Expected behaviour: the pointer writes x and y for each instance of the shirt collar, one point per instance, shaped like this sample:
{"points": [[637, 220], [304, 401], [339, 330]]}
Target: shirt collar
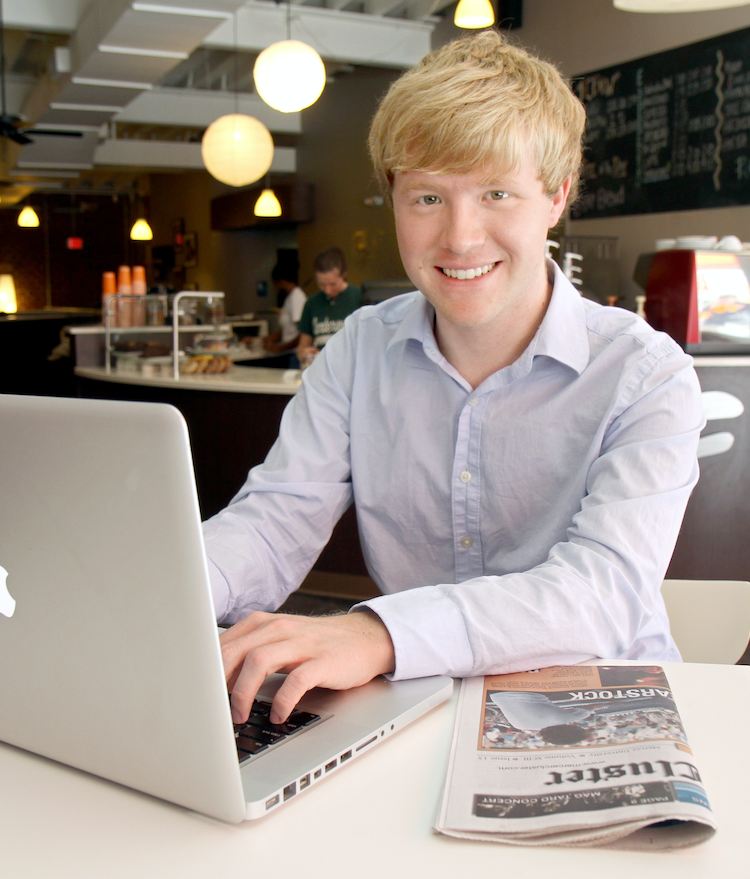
{"points": [[417, 324], [562, 333], [330, 300]]}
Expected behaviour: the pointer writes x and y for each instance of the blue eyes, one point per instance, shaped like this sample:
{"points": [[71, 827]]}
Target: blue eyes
{"points": [[492, 195]]}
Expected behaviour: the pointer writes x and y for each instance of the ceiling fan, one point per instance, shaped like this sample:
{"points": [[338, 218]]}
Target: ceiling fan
{"points": [[9, 126]]}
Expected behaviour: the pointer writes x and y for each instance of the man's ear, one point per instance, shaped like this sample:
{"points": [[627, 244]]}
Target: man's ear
{"points": [[559, 200]]}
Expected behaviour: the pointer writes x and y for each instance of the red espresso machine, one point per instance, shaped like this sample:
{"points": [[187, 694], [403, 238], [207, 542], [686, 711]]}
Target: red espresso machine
{"points": [[699, 297]]}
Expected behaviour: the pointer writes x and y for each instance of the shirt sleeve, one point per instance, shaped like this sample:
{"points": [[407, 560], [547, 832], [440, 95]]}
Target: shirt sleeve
{"points": [[263, 544], [297, 305], [598, 592]]}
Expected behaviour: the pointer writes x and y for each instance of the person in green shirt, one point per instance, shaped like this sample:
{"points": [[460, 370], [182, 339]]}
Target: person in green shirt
{"points": [[325, 311]]}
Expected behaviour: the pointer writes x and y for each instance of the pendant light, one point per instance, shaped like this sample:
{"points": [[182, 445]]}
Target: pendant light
{"points": [[474, 14], [676, 5], [28, 218], [141, 231], [267, 204], [8, 302], [237, 149], [289, 75]]}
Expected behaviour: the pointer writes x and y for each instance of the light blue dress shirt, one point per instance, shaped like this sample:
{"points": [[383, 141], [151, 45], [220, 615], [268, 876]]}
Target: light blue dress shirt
{"points": [[525, 523]]}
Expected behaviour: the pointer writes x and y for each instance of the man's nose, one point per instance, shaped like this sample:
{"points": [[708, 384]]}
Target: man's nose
{"points": [[464, 229]]}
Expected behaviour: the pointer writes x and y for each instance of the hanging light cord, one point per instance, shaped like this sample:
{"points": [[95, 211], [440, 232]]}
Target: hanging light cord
{"points": [[289, 19], [236, 74]]}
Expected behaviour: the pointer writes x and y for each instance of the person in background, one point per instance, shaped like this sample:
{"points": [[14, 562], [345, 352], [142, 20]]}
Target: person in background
{"points": [[520, 457], [325, 311], [284, 279]]}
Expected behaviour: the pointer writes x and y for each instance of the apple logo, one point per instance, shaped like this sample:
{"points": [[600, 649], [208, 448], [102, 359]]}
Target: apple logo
{"points": [[7, 602]]}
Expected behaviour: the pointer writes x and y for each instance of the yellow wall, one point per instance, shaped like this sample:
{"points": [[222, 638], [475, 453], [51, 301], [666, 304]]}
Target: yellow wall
{"points": [[332, 155]]}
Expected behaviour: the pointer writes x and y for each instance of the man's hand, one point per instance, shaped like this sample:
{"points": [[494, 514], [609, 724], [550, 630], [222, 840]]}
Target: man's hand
{"points": [[338, 652]]}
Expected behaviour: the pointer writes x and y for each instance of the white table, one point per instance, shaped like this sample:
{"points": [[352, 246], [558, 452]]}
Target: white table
{"points": [[371, 819]]}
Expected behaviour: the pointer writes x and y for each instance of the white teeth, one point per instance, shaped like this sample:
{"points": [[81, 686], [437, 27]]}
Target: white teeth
{"points": [[468, 274]]}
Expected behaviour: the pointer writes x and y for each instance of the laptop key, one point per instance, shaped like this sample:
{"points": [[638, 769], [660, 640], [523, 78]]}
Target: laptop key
{"points": [[303, 718], [267, 736], [252, 746], [288, 728]]}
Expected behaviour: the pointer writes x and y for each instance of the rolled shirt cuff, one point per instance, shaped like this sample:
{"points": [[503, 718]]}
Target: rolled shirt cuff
{"points": [[219, 591], [428, 633]]}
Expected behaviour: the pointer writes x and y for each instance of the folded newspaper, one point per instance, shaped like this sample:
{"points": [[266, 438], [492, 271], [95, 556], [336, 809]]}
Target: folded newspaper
{"points": [[574, 755]]}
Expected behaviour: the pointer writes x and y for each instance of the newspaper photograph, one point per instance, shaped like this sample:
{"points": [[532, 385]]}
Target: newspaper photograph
{"points": [[574, 755]]}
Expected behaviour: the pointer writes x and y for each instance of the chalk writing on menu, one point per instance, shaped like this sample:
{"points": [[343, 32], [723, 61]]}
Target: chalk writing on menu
{"points": [[670, 132]]}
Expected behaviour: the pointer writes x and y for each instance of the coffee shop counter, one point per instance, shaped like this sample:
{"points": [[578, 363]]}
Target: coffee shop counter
{"points": [[233, 420], [239, 379]]}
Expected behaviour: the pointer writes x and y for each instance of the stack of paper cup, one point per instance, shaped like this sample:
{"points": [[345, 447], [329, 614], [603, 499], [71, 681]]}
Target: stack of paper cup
{"points": [[138, 310], [109, 288], [124, 288]]}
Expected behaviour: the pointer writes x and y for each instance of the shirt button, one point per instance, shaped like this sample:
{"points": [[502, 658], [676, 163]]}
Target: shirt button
{"points": [[465, 476], [473, 402], [467, 542]]}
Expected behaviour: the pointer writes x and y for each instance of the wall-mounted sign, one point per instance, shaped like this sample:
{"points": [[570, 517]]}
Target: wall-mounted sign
{"points": [[669, 132]]}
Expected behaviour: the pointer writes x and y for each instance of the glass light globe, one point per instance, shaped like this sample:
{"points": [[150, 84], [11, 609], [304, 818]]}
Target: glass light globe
{"points": [[28, 218], [474, 14], [289, 75], [237, 149], [267, 205], [141, 231]]}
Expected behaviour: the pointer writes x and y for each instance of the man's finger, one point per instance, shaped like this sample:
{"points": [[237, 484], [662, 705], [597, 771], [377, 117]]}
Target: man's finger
{"points": [[240, 639], [298, 682], [260, 662]]}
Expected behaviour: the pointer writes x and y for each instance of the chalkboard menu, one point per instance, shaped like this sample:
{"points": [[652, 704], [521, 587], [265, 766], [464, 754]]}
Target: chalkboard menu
{"points": [[670, 132]]}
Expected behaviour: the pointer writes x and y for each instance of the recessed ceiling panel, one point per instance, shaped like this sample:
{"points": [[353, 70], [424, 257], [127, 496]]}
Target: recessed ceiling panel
{"points": [[159, 32], [57, 152], [205, 6], [103, 95], [200, 108], [57, 115], [125, 67]]}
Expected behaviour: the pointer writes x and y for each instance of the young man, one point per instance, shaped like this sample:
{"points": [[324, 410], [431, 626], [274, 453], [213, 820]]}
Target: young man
{"points": [[325, 311], [520, 457]]}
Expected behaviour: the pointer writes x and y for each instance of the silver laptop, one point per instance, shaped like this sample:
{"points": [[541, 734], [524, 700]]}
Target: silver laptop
{"points": [[108, 643]]}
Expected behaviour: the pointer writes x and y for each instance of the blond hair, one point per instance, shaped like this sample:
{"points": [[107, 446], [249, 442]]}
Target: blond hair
{"points": [[475, 104]]}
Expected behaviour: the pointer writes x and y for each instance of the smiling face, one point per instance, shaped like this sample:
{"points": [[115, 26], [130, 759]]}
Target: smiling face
{"points": [[475, 248]]}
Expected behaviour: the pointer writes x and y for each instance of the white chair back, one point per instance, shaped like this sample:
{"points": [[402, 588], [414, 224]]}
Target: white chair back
{"points": [[710, 619]]}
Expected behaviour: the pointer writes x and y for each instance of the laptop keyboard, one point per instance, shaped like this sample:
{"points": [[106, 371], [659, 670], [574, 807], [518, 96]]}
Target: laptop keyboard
{"points": [[258, 734]]}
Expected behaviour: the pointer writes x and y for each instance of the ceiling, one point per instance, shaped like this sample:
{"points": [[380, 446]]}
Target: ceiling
{"points": [[140, 80]]}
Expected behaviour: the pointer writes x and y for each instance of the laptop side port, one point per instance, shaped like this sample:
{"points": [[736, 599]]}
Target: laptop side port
{"points": [[331, 765], [304, 782], [365, 744], [345, 756], [274, 801], [290, 790]]}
